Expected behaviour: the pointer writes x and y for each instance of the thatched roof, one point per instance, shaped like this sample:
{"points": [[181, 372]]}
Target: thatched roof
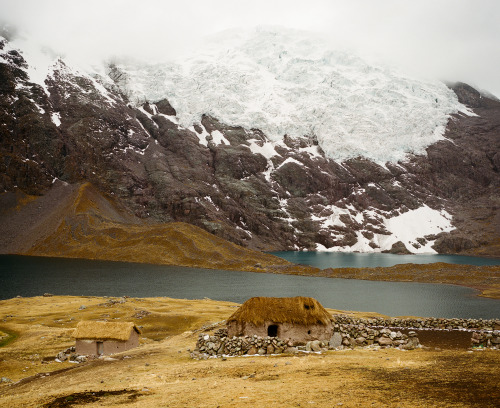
{"points": [[297, 310], [91, 330]]}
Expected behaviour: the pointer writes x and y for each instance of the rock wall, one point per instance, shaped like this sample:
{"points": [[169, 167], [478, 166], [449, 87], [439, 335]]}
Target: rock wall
{"points": [[423, 323], [219, 344], [364, 336], [486, 339], [349, 332], [484, 333]]}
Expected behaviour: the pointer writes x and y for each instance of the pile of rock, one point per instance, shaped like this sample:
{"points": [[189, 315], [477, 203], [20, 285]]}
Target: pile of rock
{"points": [[70, 354], [113, 301], [424, 323], [220, 344], [363, 336], [486, 339]]}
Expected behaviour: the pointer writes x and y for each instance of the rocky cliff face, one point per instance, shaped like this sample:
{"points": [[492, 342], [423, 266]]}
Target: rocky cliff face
{"points": [[238, 184]]}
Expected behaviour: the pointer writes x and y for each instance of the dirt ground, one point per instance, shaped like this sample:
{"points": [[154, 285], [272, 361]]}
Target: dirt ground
{"points": [[160, 373]]}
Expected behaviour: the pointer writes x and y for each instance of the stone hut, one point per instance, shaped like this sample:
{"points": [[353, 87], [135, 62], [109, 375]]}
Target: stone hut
{"points": [[104, 338], [297, 319]]}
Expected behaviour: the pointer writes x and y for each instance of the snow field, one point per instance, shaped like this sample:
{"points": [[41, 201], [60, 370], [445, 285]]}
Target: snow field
{"points": [[406, 227], [288, 82]]}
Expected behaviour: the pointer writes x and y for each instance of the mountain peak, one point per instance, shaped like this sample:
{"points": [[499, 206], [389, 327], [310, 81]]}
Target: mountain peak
{"points": [[286, 82]]}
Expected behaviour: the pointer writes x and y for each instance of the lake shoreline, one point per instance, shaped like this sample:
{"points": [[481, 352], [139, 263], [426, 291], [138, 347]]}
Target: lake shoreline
{"points": [[484, 279]]}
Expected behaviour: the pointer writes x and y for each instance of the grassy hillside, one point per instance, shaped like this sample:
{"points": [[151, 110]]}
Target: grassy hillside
{"points": [[80, 222]]}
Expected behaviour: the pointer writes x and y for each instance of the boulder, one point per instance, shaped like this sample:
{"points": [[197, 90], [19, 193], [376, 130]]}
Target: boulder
{"points": [[412, 343], [315, 345], [62, 356], [384, 341], [335, 340], [360, 340], [398, 248]]}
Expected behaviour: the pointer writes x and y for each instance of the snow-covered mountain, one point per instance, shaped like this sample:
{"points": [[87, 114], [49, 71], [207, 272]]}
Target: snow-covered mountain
{"points": [[287, 82], [267, 138]]}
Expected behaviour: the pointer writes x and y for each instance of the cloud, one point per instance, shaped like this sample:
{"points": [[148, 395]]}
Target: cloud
{"points": [[450, 39]]}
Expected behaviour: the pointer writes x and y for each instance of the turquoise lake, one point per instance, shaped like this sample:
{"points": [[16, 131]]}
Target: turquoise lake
{"points": [[324, 260]]}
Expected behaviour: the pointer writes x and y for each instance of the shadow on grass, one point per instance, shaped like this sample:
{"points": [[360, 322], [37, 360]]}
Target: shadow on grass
{"points": [[80, 398]]}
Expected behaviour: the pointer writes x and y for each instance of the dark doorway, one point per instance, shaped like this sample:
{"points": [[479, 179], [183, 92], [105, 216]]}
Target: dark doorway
{"points": [[272, 330]]}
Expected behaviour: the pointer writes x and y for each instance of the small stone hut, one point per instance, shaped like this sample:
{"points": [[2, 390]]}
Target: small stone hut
{"points": [[104, 338], [297, 319]]}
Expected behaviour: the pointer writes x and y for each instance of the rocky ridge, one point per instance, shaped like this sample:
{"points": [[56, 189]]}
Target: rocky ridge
{"points": [[237, 184]]}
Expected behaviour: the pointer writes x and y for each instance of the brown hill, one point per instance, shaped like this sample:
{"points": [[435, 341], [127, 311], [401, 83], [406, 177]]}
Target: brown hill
{"points": [[77, 221]]}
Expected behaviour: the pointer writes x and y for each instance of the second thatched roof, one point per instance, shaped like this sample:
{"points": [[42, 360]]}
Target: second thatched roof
{"points": [[91, 330], [297, 310]]}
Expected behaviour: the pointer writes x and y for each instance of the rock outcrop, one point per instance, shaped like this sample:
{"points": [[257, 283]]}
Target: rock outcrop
{"points": [[232, 181]]}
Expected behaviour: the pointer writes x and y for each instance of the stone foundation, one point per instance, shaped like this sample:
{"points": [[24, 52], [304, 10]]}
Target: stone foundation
{"points": [[219, 344], [349, 332]]}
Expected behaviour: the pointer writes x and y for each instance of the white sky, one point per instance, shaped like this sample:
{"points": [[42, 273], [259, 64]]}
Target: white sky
{"points": [[455, 40]]}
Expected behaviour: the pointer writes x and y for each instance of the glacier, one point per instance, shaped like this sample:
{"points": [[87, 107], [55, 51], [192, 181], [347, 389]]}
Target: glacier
{"points": [[284, 82], [289, 82]]}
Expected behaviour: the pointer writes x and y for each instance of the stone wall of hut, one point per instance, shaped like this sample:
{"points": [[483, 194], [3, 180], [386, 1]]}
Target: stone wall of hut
{"points": [[88, 347], [349, 332], [220, 344], [296, 333]]}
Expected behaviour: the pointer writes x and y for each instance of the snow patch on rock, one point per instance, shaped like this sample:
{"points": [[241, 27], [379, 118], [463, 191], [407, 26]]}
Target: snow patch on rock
{"points": [[406, 227], [265, 149], [418, 223], [56, 118], [219, 138]]}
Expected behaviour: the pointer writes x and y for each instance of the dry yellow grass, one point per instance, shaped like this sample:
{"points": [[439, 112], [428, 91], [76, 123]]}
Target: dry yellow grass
{"points": [[94, 227], [160, 373]]}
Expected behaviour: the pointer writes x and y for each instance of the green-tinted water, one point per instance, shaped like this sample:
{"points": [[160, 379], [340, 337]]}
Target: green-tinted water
{"points": [[34, 276], [325, 260]]}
